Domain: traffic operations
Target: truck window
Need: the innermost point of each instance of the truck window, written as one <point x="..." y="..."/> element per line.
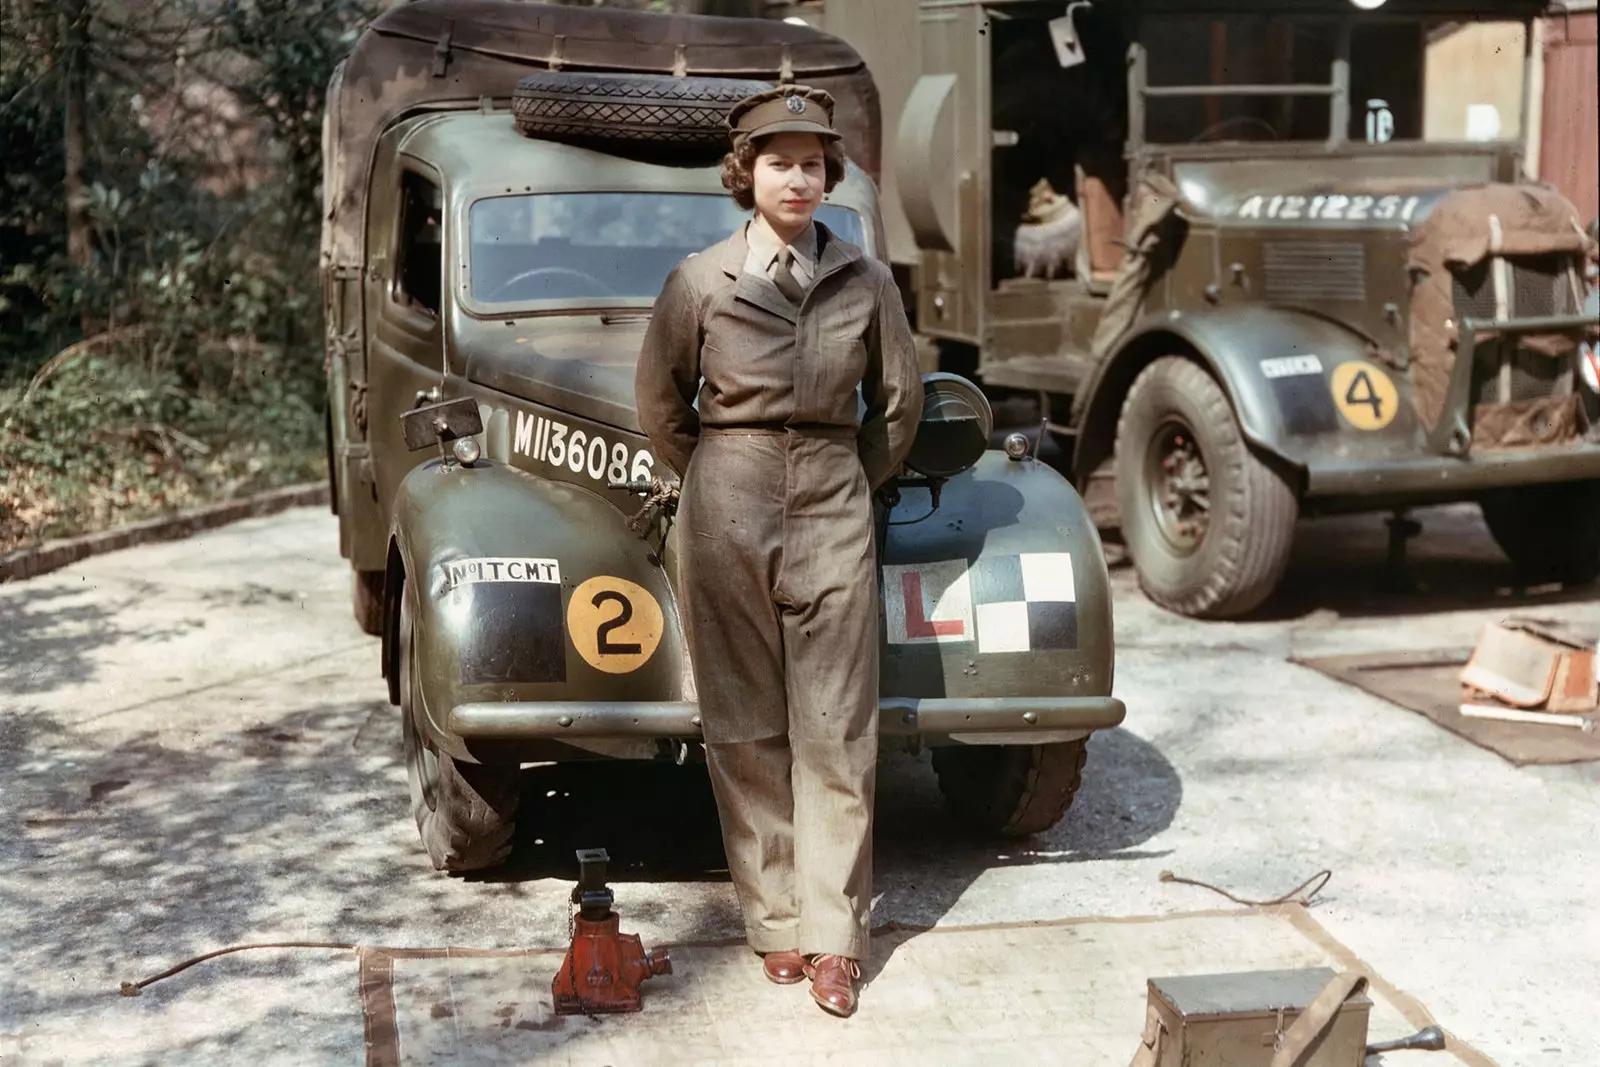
<point x="1238" y="50"/>
<point x="601" y="246"/>
<point x="420" y="254"/>
<point x="1410" y="79"/>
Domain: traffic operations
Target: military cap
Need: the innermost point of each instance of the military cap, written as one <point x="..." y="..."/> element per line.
<point x="784" y="109"/>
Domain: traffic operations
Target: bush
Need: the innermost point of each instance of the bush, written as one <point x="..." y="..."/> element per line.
<point x="183" y="363"/>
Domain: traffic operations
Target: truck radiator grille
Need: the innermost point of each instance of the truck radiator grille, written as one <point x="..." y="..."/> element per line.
<point x="1530" y="376"/>
<point x="1540" y="285"/>
<point x="1299" y="271"/>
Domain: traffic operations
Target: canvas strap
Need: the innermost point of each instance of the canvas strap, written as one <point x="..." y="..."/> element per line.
<point x="1310" y="1024"/>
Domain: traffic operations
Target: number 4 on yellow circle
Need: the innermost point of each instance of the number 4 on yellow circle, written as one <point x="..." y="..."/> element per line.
<point x="615" y="624"/>
<point x="1364" y="395"/>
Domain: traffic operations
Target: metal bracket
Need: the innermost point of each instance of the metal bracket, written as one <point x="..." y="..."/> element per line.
<point x="1452" y="435"/>
<point x="441" y="51"/>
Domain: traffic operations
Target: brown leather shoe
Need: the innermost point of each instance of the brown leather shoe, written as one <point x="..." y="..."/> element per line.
<point x="833" y="983"/>
<point x="785" y="968"/>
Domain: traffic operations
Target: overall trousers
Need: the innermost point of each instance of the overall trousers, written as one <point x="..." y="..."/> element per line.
<point x="777" y="562"/>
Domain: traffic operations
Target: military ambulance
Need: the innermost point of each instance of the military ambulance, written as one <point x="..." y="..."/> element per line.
<point x="507" y="186"/>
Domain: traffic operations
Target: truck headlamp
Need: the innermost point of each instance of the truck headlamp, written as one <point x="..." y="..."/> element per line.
<point x="955" y="427"/>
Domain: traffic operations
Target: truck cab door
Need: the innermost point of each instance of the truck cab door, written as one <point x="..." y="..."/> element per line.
<point x="405" y="307"/>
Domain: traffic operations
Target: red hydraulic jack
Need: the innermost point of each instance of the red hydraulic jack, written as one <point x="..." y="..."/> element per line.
<point x="603" y="968"/>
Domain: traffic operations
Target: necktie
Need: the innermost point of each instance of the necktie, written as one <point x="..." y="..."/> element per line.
<point x="783" y="277"/>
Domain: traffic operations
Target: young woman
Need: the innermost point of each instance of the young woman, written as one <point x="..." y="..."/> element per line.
<point x="775" y="329"/>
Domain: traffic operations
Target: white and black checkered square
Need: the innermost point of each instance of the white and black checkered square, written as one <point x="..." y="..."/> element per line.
<point x="1025" y="602"/>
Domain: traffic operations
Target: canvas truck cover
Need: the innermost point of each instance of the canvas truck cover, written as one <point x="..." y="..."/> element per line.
<point x="1465" y="228"/>
<point x="447" y="54"/>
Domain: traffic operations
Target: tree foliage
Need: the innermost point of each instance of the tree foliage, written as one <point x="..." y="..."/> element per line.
<point x="160" y="213"/>
<point x="182" y="359"/>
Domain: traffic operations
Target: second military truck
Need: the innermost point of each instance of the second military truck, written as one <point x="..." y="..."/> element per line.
<point x="1244" y="281"/>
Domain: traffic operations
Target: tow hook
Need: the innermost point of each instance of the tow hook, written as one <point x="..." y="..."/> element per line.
<point x="661" y="498"/>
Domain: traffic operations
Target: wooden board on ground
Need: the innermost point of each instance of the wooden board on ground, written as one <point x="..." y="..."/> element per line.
<point x="1067" y="992"/>
<point x="1429" y="683"/>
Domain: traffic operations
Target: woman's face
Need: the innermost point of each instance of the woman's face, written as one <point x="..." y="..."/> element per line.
<point x="788" y="179"/>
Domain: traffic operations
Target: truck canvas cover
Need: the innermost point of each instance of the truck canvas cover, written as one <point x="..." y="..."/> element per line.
<point x="448" y="54"/>
<point x="1468" y="227"/>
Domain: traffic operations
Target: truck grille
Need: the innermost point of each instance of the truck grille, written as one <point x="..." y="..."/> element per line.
<point x="1540" y="286"/>
<point x="1300" y="271"/>
<point x="1530" y="376"/>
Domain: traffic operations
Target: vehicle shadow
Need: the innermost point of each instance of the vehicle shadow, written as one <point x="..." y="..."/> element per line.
<point x="926" y="860"/>
<point x="1339" y="565"/>
<point x="658" y="822"/>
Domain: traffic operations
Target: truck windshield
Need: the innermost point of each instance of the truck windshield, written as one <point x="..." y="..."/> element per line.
<point x="1410" y="79"/>
<point x="601" y="246"/>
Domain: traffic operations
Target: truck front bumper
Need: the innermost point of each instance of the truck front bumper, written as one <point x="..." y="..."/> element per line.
<point x="972" y="720"/>
<point x="1451" y="469"/>
<point x="1452" y="476"/>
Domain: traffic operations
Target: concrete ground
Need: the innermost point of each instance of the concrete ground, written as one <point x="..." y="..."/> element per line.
<point x="196" y="751"/>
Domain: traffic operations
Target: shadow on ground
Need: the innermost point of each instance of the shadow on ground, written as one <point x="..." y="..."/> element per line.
<point x="122" y="859"/>
<point x="659" y="822"/>
<point x="1339" y="565"/>
<point x="49" y="633"/>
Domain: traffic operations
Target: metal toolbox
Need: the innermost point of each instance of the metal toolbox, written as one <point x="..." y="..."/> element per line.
<point x="1247" y="1019"/>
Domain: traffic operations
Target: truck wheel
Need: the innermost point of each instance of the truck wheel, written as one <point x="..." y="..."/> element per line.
<point x="588" y="108"/>
<point x="1012" y="790"/>
<point x="1208" y="524"/>
<point x="1551" y="533"/>
<point x="366" y="596"/>
<point x="465" y="812"/>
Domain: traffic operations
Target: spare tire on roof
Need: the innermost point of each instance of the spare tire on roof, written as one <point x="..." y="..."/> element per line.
<point x="629" y="111"/>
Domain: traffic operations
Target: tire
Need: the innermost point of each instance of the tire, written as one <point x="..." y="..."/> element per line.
<point x="366" y="597"/>
<point x="1228" y="562"/>
<point x="1010" y="790"/>
<point x="465" y="812"/>
<point x="640" y="109"/>
<point x="1551" y="533"/>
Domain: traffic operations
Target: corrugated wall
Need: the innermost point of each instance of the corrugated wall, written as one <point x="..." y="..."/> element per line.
<point x="1569" y="151"/>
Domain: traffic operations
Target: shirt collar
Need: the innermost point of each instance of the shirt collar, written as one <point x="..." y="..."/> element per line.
<point x="764" y="245"/>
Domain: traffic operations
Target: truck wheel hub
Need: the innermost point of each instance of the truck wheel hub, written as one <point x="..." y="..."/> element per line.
<point x="1179" y="486"/>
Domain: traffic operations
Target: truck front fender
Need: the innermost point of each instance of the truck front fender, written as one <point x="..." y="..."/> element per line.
<point x="1281" y="371"/>
<point x="522" y="589"/>
<point x="1002" y="592"/>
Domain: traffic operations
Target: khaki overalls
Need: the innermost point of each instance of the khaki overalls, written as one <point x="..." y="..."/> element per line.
<point x="778" y="577"/>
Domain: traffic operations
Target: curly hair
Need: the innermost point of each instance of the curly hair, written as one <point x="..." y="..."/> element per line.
<point x="738" y="169"/>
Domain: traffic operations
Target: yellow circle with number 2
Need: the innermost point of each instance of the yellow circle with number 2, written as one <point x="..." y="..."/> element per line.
<point x="614" y="624"/>
<point x="1365" y="396"/>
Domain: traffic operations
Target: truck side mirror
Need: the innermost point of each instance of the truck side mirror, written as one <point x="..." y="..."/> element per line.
<point x="440" y="423"/>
